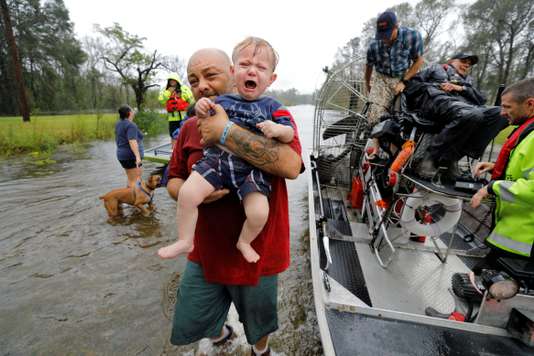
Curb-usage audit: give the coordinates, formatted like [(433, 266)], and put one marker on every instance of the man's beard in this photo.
[(521, 119)]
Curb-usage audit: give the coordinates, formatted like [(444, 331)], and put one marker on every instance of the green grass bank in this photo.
[(45, 133)]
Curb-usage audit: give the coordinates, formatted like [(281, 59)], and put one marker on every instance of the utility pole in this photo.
[(23, 100)]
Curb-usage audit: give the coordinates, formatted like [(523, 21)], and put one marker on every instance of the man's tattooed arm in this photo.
[(266, 154)]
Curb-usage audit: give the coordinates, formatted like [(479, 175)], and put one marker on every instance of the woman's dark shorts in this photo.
[(127, 163)]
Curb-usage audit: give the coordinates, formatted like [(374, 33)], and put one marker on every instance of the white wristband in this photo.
[(226, 130)]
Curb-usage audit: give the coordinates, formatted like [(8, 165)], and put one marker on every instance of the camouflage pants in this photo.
[(381, 95)]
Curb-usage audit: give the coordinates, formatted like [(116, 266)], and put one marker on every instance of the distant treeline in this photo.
[(56, 69), (291, 97), (64, 74)]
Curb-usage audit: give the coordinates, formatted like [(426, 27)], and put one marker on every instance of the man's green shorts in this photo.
[(202, 307)]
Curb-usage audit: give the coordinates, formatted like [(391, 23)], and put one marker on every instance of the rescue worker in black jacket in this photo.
[(445, 94)]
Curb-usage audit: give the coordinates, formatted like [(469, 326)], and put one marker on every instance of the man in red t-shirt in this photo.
[(216, 274)]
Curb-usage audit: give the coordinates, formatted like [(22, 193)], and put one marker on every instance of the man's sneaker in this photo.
[(229, 335), (463, 287), (265, 353), (504, 289)]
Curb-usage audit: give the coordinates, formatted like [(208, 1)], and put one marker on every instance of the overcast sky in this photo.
[(306, 34)]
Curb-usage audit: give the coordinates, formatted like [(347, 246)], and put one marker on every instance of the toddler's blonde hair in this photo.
[(257, 43)]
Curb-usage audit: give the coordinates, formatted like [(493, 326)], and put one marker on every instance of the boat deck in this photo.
[(369, 310), (414, 280)]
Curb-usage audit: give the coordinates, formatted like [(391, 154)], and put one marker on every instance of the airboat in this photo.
[(159, 154), (386, 246)]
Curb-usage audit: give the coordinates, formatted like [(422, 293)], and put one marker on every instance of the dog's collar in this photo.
[(148, 194)]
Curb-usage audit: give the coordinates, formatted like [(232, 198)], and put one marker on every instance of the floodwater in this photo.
[(73, 283)]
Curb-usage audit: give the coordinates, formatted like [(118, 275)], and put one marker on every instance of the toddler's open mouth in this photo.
[(250, 84)]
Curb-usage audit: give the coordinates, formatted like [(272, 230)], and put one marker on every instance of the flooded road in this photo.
[(72, 283)]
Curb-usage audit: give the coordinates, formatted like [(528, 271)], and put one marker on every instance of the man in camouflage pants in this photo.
[(396, 54)]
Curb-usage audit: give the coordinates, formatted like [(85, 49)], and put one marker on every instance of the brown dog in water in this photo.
[(138, 196)]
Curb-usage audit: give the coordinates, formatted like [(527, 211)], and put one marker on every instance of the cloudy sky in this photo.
[(306, 34)]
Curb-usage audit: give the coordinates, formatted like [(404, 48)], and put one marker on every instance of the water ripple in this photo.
[(73, 281)]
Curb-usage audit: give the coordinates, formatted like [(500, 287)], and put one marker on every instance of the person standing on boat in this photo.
[(512, 178), (129, 141), (396, 55), (216, 274), (176, 98), (445, 94)]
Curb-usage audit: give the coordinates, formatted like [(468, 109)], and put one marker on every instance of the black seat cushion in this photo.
[(521, 269)]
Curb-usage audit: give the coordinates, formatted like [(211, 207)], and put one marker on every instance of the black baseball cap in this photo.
[(385, 24), (463, 55)]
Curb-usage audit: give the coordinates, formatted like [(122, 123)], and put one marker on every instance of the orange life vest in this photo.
[(176, 103)]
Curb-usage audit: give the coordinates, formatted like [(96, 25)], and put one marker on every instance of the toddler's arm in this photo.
[(203, 107), (282, 133)]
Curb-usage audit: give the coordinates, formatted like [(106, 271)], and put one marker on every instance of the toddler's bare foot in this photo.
[(248, 252), (177, 248)]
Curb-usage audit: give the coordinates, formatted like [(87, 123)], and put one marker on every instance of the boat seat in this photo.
[(520, 269)]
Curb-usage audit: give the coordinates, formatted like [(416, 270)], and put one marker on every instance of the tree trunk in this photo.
[(510, 57), (482, 71), (139, 93), (93, 88), (23, 101), (500, 63), (126, 93), (139, 97), (528, 62)]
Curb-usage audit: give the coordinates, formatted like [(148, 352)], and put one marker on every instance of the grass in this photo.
[(44, 133)]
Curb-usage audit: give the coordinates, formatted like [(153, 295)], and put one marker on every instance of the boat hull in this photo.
[(364, 309), (159, 154)]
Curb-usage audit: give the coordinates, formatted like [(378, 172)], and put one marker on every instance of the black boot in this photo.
[(449, 172), (427, 168), (454, 171)]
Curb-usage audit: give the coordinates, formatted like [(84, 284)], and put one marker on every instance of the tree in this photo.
[(50, 58), (124, 55), (501, 33), (176, 65), (93, 74), (427, 17), (15, 61), (527, 52)]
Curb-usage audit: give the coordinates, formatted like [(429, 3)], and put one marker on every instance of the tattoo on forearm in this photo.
[(258, 150)]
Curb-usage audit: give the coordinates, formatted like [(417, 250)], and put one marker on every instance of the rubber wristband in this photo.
[(226, 130)]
